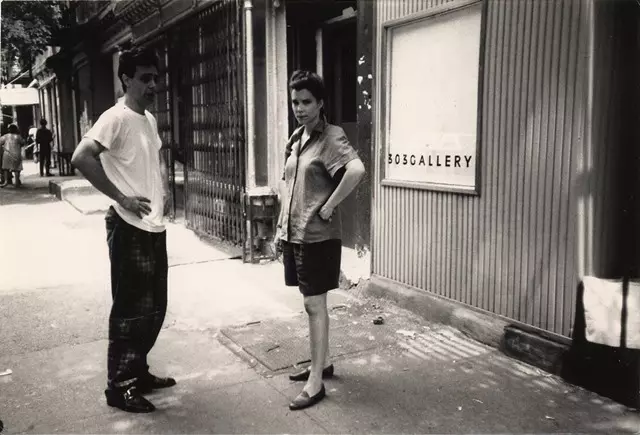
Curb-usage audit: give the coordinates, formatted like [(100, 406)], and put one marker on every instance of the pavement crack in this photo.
[(189, 263)]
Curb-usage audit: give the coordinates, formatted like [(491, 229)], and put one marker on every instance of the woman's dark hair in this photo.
[(13, 129), (308, 80), (135, 57)]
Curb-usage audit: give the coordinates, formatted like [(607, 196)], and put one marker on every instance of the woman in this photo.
[(321, 170), (12, 144)]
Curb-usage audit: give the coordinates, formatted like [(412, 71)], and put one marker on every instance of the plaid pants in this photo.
[(139, 270)]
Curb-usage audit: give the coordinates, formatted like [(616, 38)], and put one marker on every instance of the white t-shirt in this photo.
[(131, 160)]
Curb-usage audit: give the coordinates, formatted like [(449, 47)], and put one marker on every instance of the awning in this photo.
[(19, 97)]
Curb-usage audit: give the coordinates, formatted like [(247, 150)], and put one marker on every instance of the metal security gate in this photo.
[(162, 110), (209, 61)]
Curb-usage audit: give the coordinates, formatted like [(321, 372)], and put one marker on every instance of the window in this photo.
[(431, 93)]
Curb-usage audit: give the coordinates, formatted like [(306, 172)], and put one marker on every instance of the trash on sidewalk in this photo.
[(274, 347), (378, 320), (6, 372), (409, 334), (340, 307)]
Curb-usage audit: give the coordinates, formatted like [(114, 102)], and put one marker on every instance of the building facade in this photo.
[(496, 133)]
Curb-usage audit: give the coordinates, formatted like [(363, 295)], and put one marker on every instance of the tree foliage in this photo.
[(27, 29)]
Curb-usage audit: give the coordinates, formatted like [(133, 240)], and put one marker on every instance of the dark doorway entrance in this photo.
[(339, 63)]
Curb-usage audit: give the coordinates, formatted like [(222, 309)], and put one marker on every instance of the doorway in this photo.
[(338, 65)]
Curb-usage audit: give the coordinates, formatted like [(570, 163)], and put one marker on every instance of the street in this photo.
[(232, 333)]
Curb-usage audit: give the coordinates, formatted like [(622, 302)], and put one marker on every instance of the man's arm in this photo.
[(85, 159)]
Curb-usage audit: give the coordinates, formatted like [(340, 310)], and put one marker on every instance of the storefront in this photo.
[(497, 135)]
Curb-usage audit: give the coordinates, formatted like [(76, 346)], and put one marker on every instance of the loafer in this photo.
[(304, 401), (129, 400), (303, 375), (150, 382)]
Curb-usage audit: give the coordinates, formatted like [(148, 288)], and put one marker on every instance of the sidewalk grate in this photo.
[(279, 344)]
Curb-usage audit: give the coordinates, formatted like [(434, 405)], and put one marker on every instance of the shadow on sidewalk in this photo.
[(33, 191), (28, 194)]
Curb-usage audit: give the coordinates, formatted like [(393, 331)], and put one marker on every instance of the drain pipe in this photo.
[(250, 98)]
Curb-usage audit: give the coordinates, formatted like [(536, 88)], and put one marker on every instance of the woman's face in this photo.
[(305, 106)]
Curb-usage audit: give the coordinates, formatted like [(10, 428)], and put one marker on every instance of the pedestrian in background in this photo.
[(31, 143), (12, 144), (44, 138), (321, 170), (130, 170)]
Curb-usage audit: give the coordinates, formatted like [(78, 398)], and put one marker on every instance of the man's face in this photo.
[(142, 86)]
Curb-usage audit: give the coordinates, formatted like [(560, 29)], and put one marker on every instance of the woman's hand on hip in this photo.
[(326, 213)]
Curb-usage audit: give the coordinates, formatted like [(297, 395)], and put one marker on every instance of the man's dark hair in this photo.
[(133, 58), (308, 80), (13, 129), (43, 122)]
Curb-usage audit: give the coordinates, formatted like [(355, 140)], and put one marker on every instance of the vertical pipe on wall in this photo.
[(250, 107), (277, 100), (583, 264), (319, 52)]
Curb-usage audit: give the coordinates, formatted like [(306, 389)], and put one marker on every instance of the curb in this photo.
[(62, 188), (73, 191), (515, 342)]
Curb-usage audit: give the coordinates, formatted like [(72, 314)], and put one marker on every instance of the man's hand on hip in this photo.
[(137, 205)]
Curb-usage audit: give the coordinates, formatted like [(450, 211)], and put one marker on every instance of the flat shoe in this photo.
[(327, 372), (304, 401)]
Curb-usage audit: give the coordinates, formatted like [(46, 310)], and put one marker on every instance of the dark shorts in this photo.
[(313, 267)]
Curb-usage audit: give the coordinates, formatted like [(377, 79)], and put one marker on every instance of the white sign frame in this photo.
[(425, 19)]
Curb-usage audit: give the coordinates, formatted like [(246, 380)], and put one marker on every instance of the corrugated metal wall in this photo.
[(512, 250)]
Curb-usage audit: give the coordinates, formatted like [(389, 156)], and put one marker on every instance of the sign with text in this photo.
[(432, 101)]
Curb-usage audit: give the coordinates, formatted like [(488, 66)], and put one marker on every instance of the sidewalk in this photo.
[(232, 334), (435, 381)]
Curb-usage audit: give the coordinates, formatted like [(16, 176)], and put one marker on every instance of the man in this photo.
[(120, 155), (44, 138)]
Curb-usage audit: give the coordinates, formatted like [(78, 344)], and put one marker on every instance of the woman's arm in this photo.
[(354, 171)]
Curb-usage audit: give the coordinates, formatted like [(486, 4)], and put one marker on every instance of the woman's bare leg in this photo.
[(316, 307)]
